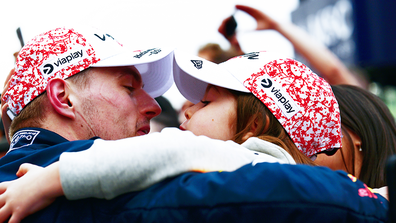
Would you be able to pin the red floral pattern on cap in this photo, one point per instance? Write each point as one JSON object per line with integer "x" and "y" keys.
{"x": 28, "y": 81}
{"x": 316, "y": 124}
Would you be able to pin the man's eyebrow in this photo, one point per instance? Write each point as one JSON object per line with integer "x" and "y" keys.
{"x": 134, "y": 73}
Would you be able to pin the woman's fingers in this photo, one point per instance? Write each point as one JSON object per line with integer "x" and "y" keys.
{"x": 26, "y": 167}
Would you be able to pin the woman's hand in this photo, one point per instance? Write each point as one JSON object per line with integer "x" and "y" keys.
{"x": 263, "y": 20}
{"x": 36, "y": 188}
{"x": 223, "y": 30}
{"x": 232, "y": 39}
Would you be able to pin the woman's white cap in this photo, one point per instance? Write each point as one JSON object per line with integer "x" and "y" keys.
{"x": 302, "y": 102}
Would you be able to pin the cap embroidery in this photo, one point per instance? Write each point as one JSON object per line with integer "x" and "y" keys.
{"x": 252, "y": 55}
{"x": 103, "y": 38}
{"x": 197, "y": 63}
{"x": 27, "y": 135}
{"x": 151, "y": 51}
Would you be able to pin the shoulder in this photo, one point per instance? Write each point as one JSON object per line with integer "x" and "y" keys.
{"x": 277, "y": 153}
{"x": 280, "y": 192}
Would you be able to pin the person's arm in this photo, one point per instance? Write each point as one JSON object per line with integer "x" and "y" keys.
{"x": 37, "y": 189}
{"x": 111, "y": 168}
{"x": 318, "y": 55}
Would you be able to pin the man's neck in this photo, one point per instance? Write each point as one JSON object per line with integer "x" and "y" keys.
{"x": 67, "y": 128}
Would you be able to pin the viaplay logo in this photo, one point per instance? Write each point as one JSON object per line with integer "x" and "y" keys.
{"x": 48, "y": 69}
{"x": 72, "y": 56}
{"x": 279, "y": 95}
{"x": 266, "y": 83}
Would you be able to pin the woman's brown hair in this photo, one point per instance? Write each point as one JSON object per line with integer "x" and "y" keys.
{"x": 368, "y": 117}
{"x": 253, "y": 114}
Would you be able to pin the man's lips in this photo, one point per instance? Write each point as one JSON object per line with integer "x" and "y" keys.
{"x": 143, "y": 130}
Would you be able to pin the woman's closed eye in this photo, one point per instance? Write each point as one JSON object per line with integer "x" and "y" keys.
{"x": 205, "y": 102}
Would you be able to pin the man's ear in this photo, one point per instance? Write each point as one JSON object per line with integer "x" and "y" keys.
{"x": 58, "y": 93}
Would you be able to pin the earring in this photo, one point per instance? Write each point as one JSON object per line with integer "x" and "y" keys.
{"x": 360, "y": 149}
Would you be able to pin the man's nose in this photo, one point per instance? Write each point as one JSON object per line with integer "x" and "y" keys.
{"x": 148, "y": 106}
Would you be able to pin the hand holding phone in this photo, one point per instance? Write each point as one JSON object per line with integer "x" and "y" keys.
{"x": 230, "y": 26}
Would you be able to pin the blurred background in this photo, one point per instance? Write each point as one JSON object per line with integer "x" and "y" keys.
{"x": 360, "y": 32}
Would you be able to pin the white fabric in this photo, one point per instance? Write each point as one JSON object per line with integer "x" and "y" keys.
{"x": 110, "y": 168}
{"x": 192, "y": 74}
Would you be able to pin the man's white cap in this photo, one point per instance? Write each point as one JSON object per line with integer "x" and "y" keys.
{"x": 63, "y": 52}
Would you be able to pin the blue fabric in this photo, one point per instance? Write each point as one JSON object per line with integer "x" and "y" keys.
{"x": 262, "y": 193}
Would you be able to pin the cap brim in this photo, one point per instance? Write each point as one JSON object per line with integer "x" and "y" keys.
{"x": 154, "y": 65}
{"x": 192, "y": 75}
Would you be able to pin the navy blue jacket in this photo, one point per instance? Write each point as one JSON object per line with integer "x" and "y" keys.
{"x": 265, "y": 192}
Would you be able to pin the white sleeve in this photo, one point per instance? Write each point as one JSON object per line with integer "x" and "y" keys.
{"x": 111, "y": 168}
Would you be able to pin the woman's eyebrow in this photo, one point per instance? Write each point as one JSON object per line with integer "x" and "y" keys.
{"x": 214, "y": 87}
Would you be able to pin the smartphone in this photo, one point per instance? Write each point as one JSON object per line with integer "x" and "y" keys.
{"x": 230, "y": 26}
{"x": 19, "y": 33}
{"x": 391, "y": 180}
